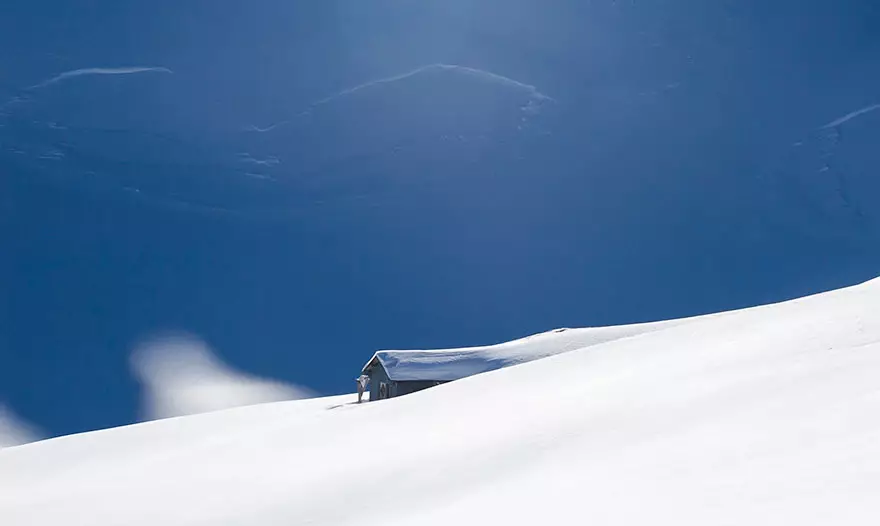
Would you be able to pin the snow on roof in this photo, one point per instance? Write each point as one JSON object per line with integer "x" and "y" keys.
{"x": 435, "y": 365}
{"x": 454, "y": 364}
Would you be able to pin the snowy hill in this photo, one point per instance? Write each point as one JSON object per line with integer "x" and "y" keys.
{"x": 760, "y": 416}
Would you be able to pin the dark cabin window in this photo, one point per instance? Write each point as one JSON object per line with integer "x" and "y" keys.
{"x": 383, "y": 390}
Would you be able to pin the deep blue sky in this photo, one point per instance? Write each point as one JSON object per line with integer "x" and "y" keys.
{"x": 678, "y": 170}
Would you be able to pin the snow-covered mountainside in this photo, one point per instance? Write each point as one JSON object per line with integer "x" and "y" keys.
{"x": 760, "y": 416}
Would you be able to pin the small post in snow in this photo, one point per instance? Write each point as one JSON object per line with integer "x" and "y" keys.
{"x": 362, "y": 382}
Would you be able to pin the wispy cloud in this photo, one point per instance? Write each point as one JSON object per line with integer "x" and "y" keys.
{"x": 264, "y": 129}
{"x": 262, "y": 177}
{"x": 99, "y": 71}
{"x": 16, "y": 100}
{"x": 536, "y": 97}
{"x": 268, "y": 162}
{"x": 850, "y": 116}
{"x": 14, "y": 431}
{"x": 180, "y": 375}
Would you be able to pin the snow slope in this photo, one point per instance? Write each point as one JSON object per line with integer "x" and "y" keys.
{"x": 761, "y": 416}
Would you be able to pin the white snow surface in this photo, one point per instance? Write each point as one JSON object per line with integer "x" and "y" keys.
{"x": 764, "y": 416}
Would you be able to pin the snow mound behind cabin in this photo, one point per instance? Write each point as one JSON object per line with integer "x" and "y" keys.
{"x": 761, "y": 416}
{"x": 454, "y": 364}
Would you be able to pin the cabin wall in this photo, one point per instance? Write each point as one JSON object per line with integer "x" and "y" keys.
{"x": 404, "y": 388}
{"x": 377, "y": 375}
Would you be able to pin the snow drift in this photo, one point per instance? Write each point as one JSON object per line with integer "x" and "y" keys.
{"x": 760, "y": 416}
{"x": 180, "y": 375}
{"x": 14, "y": 431}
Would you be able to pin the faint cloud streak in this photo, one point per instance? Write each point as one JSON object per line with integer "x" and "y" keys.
{"x": 850, "y": 116}
{"x": 264, "y": 129}
{"x": 99, "y": 71}
{"x": 536, "y": 99}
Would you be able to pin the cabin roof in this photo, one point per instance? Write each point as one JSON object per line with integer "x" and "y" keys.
{"x": 454, "y": 364}
{"x": 446, "y": 365}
